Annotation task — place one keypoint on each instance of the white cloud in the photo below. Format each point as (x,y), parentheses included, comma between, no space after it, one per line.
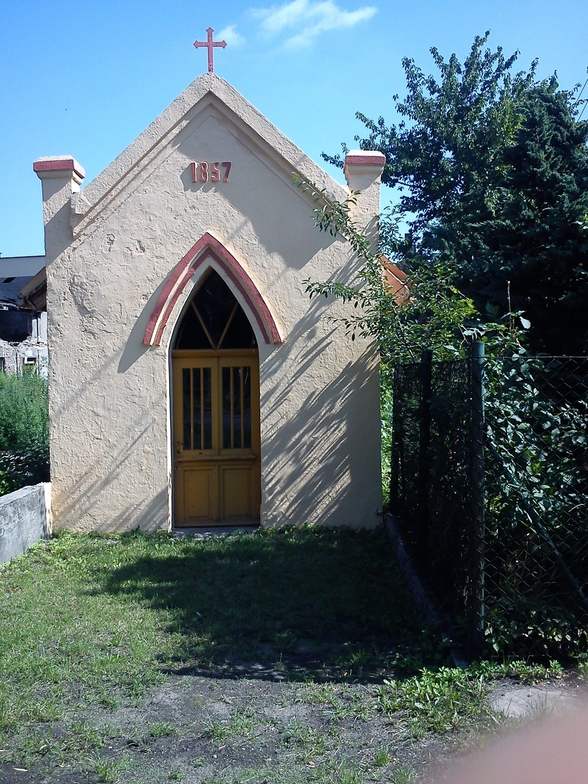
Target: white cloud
(231,36)
(309,18)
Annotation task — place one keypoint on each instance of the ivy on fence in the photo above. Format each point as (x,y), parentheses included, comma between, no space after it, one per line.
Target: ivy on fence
(518,574)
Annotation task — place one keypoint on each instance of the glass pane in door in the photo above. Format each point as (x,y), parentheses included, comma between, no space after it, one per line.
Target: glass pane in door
(186,408)
(207,408)
(197,408)
(236,394)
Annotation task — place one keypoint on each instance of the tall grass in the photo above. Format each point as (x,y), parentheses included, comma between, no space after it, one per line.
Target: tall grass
(24,431)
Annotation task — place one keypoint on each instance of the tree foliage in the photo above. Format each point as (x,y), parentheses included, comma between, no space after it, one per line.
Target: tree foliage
(536,505)
(434,316)
(24,431)
(490,167)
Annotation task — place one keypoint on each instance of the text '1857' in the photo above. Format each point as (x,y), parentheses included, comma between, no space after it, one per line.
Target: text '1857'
(203,171)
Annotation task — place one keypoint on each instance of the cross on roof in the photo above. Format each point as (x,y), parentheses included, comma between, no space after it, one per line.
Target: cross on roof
(210,44)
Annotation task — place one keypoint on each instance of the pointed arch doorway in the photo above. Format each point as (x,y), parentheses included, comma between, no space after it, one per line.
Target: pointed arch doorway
(215,398)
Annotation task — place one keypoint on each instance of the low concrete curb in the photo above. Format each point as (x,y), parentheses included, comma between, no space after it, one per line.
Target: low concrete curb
(25,519)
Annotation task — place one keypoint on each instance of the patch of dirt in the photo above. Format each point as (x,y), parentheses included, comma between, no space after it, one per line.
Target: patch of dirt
(530,701)
(199,729)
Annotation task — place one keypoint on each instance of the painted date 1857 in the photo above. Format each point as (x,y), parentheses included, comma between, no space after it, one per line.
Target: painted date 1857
(210,172)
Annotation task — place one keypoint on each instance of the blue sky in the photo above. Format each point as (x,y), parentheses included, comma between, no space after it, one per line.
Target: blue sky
(85,78)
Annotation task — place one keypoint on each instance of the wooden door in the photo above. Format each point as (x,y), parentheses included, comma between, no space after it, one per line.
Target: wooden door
(216,437)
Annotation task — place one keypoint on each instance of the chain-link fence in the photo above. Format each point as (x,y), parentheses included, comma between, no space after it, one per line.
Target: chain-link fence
(489,482)
(430,471)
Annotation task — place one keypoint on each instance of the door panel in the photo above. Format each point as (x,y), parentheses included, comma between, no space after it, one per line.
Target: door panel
(216,437)
(236,485)
(198,491)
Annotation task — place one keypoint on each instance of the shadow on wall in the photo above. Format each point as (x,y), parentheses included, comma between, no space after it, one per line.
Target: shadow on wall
(134,346)
(80,501)
(82,504)
(326,445)
(273,604)
(86,505)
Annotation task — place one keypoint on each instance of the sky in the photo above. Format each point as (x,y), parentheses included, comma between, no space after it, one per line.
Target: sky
(85,78)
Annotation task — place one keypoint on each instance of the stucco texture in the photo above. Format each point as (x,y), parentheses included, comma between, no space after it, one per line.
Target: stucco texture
(111,248)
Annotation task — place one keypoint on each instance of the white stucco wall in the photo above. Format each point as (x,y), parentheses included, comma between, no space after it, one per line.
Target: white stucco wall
(107,264)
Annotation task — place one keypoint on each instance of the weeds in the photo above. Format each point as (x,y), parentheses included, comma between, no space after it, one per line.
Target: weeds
(453,699)
(163,729)
(403,775)
(349,774)
(238,725)
(438,701)
(337,702)
(521,670)
(381,758)
(312,742)
(109,771)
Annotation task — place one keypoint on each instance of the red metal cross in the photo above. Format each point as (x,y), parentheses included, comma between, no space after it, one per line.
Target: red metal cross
(210,44)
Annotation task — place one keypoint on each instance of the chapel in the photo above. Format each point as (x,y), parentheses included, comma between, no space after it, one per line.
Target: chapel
(192,380)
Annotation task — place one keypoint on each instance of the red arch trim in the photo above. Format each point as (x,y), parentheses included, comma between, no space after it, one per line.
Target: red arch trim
(206,247)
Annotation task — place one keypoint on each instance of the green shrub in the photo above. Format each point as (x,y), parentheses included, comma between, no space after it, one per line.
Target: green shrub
(24,431)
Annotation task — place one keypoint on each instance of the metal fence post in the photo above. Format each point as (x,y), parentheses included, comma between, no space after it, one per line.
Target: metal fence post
(424,470)
(477,539)
(396,492)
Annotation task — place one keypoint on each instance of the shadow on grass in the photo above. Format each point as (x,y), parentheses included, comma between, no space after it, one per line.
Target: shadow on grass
(277,604)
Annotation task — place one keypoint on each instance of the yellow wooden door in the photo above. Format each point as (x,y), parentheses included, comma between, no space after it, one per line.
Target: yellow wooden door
(216,438)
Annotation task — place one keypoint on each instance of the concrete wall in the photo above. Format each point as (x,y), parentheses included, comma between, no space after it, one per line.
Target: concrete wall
(25,519)
(111,248)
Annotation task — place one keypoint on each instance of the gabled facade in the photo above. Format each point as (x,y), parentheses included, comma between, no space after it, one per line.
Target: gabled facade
(191,380)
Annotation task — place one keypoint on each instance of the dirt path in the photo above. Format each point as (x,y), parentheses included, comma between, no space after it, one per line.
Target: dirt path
(194,728)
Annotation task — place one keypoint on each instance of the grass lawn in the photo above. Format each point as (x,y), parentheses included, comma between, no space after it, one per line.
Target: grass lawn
(268,656)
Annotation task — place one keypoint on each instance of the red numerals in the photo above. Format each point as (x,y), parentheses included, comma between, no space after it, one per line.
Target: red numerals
(210,172)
